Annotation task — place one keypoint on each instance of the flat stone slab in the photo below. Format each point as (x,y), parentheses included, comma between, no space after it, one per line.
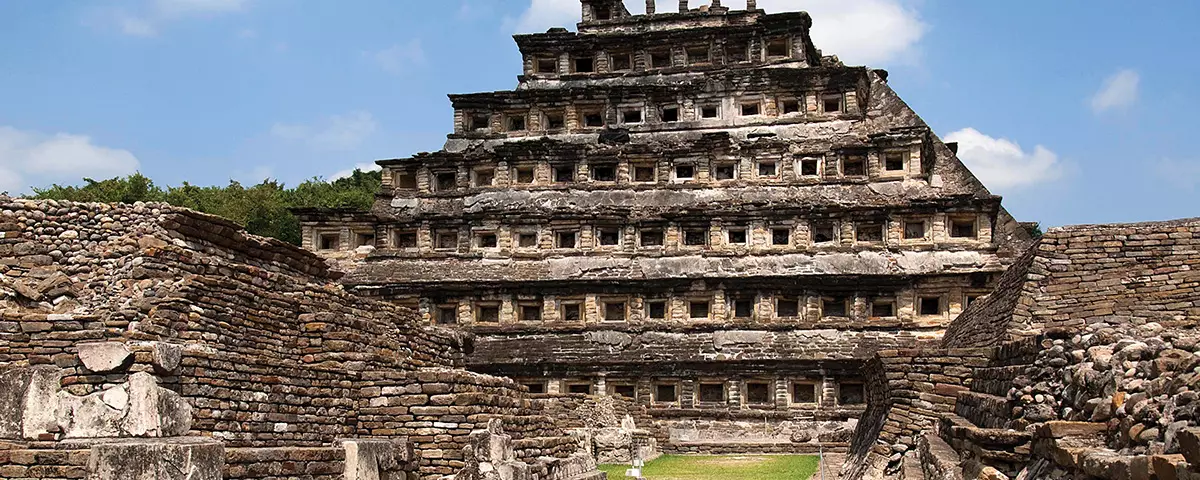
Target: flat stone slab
(103,356)
(1060,429)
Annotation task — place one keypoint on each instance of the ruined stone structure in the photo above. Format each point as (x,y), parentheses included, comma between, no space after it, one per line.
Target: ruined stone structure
(149,342)
(695,210)
(1081,364)
(686,232)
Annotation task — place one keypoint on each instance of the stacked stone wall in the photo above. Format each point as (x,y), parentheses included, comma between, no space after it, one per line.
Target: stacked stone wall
(286,463)
(1149,271)
(988,321)
(576,410)
(923,384)
(1098,381)
(1073,274)
(272,357)
(438,409)
(20,462)
(867,450)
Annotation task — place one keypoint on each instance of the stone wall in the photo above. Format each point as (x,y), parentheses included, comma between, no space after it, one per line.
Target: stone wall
(868,451)
(1072,274)
(989,320)
(19,462)
(631,350)
(251,335)
(309,463)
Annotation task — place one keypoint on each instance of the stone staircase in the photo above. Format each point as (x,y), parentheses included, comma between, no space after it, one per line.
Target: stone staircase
(1007,451)
(978,429)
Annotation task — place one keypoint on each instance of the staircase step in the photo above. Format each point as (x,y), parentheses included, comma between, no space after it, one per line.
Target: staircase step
(954,427)
(1003,449)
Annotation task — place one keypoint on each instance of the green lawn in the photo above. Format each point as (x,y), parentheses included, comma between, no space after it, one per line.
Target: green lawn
(732,467)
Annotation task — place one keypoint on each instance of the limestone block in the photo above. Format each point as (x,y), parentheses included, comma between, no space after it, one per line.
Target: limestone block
(139,408)
(1063,429)
(374,459)
(27,401)
(490,456)
(116,398)
(167,356)
(103,356)
(154,411)
(189,458)
(89,417)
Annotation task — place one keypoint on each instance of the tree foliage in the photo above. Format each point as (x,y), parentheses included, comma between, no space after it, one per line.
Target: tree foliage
(262,209)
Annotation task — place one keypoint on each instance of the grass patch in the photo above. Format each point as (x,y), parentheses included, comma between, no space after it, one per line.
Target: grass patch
(730,467)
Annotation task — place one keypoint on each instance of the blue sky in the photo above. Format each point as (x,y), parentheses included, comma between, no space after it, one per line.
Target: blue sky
(1077,111)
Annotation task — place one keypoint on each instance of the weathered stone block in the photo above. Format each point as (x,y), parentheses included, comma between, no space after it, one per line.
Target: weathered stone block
(1059,429)
(145,410)
(104,356)
(375,459)
(28,405)
(190,458)
(167,356)
(726,339)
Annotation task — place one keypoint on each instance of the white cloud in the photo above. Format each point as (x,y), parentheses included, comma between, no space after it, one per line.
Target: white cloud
(366,167)
(1001,163)
(864,32)
(1120,90)
(338,132)
(868,32)
(33,159)
(149,16)
(543,14)
(399,58)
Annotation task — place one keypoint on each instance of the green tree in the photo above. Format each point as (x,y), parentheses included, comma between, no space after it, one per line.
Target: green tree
(261,209)
(134,188)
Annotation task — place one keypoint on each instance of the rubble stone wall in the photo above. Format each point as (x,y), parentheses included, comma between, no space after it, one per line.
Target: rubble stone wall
(19,462)
(647,347)
(864,454)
